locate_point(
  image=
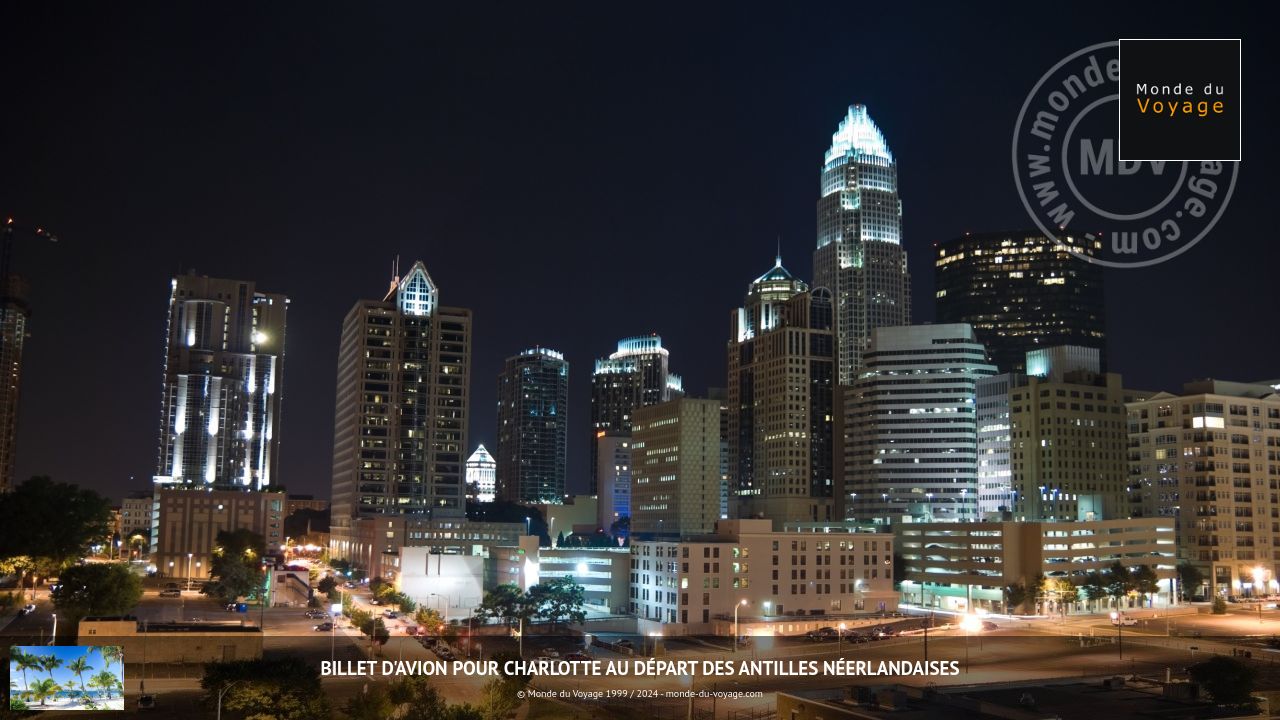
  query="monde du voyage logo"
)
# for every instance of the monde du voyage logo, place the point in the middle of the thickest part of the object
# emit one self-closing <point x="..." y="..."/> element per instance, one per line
<point x="1131" y="170"/>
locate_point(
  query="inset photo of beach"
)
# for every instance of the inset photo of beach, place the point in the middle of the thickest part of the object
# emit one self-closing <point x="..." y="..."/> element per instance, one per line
<point x="73" y="677"/>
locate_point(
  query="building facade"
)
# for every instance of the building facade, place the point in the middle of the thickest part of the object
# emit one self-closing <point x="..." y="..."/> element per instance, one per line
<point x="188" y="523"/>
<point x="15" y="312"/>
<point x="692" y="586"/>
<point x="1208" y="459"/>
<point x="860" y="258"/>
<point x="223" y="382"/>
<point x="635" y="375"/>
<point x="781" y="359"/>
<point x="403" y="398"/>
<point x="966" y="566"/>
<point x="533" y="422"/>
<point x="482" y="475"/>
<point x="613" y="477"/>
<point x="911" y="431"/>
<point x="675" y="477"/>
<point x="1069" y="436"/>
<point x="1021" y="291"/>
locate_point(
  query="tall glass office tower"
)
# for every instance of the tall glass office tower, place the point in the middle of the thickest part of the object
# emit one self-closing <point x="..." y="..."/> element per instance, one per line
<point x="533" y="421"/>
<point x="860" y="257"/>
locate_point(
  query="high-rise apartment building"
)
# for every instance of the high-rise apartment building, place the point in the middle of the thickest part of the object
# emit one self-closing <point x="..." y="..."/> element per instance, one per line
<point x="482" y="474"/>
<point x="533" y="422"/>
<point x="14" y="314"/>
<point x="1021" y="291"/>
<point x="860" y="258"/>
<point x="403" y="396"/>
<point x="223" y="376"/>
<point x="612" y="477"/>
<point x="1210" y="458"/>
<point x="995" y="471"/>
<point x="781" y="359"/>
<point x="635" y="375"/>
<point x="911" y="431"/>
<point x="675" y="477"/>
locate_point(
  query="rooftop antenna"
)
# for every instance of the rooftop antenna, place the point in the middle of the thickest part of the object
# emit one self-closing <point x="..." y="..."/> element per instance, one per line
<point x="777" y="259"/>
<point x="395" y="279"/>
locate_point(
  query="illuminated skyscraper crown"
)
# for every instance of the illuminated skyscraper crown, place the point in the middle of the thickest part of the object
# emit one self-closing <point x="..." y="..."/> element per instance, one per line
<point x="857" y="135"/>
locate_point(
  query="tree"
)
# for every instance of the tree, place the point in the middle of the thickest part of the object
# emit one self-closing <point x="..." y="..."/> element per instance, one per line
<point x="428" y="618"/>
<point x="105" y="680"/>
<point x="1095" y="587"/>
<point x="1228" y="681"/>
<point x="236" y="568"/>
<point x="1119" y="582"/>
<point x="326" y="584"/>
<point x="554" y="600"/>
<point x="97" y="589"/>
<point x="621" y="528"/>
<point x="279" y="689"/>
<point x="1219" y="605"/>
<point x="1015" y="596"/>
<point x="80" y="666"/>
<point x="1190" y="579"/>
<point x="110" y="654"/>
<point x="24" y="661"/>
<point x="49" y="663"/>
<point x="505" y="603"/>
<point x="499" y="698"/>
<point x="56" y="521"/>
<point x="43" y="689"/>
<point x="1145" y="581"/>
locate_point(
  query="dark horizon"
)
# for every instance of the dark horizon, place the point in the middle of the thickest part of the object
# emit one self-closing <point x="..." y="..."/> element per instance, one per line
<point x="573" y="180"/>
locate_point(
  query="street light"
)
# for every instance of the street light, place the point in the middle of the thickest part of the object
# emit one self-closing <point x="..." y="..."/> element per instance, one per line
<point x="735" y="623"/>
<point x="189" y="556"/>
<point x="1259" y="577"/>
<point x="222" y="692"/>
<point x="969" y="624"/>
<point x="840" y="637"/>
<point x="1118" y="619"/>
<point x="53" y="640"/>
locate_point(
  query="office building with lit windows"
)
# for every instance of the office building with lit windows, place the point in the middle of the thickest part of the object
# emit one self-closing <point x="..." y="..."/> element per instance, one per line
<point x="222" y="386"/>
<point x="400" y="426"/>
<point x="1208" y="458"/>
<point x="675" y="476"/>
<point x="781" y="384"/>
<point x="635" y="375"/>
<point x="533" y="422"/>
<point x="860" y="258"/>
<point x="783" y="582"/>
<point x="482" y="473"/>
<point x="1022" y="291"/>
<point x="911" y="431"/>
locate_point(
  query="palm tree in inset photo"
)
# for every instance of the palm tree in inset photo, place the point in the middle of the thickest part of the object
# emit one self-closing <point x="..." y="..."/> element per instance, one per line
<point x="25" y="661"/>
<point x="110" y="654"/>
<point x="106" y="681"/>
<point x="80" y="666"/>
<point x="49" y="663"/>
<point x="44" y="689"/>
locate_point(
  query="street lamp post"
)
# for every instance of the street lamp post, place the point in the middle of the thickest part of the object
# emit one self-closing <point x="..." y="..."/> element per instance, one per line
<point x="735" y="624"/>
<point x="1118" y="619"/>
<point x="1259" y="577"/>
<point x="969" y="624"/>
<point x="222" y="692"/>
<point x="189" y="557"/>
<point x="53" y="639"/>
<point x="839" y="636"/>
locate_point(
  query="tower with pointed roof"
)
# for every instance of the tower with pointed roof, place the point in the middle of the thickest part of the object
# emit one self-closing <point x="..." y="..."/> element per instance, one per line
<point x="781" y="357"/>
<point x="403" y="398"/>
<point x="860" y="258"/>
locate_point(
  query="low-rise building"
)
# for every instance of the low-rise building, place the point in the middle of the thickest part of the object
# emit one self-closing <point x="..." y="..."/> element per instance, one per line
<point x="188" y="523"/>
<point x="172" y="643"/>
<point x="373" y="544"/>
<point x="780" y="582"/>
<point x="966" y="566"/>
<point x="603" y="572"/>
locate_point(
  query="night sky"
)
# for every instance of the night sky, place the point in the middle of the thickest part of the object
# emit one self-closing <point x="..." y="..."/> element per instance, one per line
<point x="573" y="178"/>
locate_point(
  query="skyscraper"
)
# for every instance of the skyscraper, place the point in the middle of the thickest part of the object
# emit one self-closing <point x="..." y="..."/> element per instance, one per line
<point x="1021" y="291"/>
<point x="403" y="396"/>
<point x="634" y="376"/>
<point x="223" y="376"/>
<point x="612" y="478"/>
<point x="482" y="473"/>
<point x="533" y="422"/>
<point x="912" y="432"/>
<point x="781" y="380"/>
<point x="860" y="258"/>
<point x="14" y="313"/>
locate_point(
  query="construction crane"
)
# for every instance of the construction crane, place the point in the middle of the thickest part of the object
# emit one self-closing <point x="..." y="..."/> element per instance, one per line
<point x="6" y="254"/>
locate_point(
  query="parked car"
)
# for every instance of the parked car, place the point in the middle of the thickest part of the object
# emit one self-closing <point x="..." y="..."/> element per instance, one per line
<point x="171" y="592"/>
<point x="375" y="601"/>
<point x="988" y="625"/>
<point x="313" y="614"/>
<point x="1124" y="620"/>
<point x="324" y="627"/>
<point x="822" y="633"/>
<point x="27" y="609"/>
<point x="391" y="614"/>
<point x="577" y="657"/>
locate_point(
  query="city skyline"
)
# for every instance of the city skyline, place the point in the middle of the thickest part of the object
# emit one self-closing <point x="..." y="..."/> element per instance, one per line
<point x="131" y="222"/>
